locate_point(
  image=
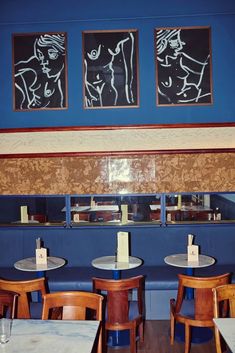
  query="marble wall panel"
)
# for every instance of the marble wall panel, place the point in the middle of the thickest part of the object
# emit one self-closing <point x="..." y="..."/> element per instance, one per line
<point x="140" y="173"/>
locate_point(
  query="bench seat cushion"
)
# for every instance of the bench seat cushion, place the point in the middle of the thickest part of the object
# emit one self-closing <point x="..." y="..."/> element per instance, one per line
<point x="80" y="278"/>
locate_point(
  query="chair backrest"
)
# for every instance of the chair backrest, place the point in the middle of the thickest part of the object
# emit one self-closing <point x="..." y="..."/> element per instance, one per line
<point x="203" y="295"/>
<point x="74" y="305"/>
<point x="24" y="289"/>
<point x="117" y="296"/>
<point x="224" y="301"/>
<point x="7" y="304"/>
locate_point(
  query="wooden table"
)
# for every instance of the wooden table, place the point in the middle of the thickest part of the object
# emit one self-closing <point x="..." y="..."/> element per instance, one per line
<point x="226" y="327"/>
<point x="54" y="336"/>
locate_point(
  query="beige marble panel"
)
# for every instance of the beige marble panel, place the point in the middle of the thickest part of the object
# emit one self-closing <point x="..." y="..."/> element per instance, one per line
<point x="146" y="173"/>
<point x="118" y="139"/>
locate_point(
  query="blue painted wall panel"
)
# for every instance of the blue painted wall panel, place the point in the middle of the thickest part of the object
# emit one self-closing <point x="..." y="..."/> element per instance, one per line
<point x="80" y="246"/>
<point x="74" y="16"/>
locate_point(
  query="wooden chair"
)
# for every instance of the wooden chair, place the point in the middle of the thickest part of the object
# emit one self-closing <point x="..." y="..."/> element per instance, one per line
<point x="197" y="312"/>
<point x="74" y="305"/>
<point x="25" y="289"/>
<point x="7" y="304"/>
<point x="224" y="306"/>
<point x="122" y="314"/>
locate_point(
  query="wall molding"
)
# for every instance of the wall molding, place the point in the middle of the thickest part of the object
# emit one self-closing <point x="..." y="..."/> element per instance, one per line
<point x="108" y="140"/>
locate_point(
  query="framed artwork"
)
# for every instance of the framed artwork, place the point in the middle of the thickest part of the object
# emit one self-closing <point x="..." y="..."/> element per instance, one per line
<point x="183" y="66"/>
<point x="110" y="69"/>
<point x="39" y="71"/>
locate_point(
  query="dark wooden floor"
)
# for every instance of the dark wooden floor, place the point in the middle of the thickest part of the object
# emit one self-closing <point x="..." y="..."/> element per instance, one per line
<point x="157" y="341"/>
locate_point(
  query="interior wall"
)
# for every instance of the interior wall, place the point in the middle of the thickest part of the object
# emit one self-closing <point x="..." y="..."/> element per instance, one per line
<point x="155" y="173"/>
<point x="74" y="17"/>
<point x="136" y="173"/>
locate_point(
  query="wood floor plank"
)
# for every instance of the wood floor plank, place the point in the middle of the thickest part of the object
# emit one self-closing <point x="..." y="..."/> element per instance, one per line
<point x="157" y="340"/>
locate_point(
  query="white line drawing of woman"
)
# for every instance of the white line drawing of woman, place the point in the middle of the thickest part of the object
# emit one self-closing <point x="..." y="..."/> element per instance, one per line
<point x="180" y="76"/>
<point x="39" y="80"/>
<point x="109" y="72"/>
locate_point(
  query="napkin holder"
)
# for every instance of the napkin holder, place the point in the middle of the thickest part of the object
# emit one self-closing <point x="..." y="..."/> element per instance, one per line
<point x="193" y="250"/>
<point x="41" y="253"/>
<point x="122" y="247"/>
<point x="41" y="256"/>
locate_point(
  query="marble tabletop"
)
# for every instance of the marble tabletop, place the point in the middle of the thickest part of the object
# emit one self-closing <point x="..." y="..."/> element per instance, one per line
<point x="59" y="336"/>
<point x="226" y="326"/>
<point x="110" y="263"/>
<point x="29" y="264"/>
<point x="181" y="260"/>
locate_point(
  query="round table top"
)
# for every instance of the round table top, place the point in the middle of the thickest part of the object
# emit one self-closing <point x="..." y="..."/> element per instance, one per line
<point x="29" y="264"/>
<point x="181" y="260"/>
<point x="109" y="263"/>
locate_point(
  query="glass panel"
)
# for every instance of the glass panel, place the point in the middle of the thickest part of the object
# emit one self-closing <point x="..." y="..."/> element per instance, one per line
<point x="120" y="209"/>
<point x="200" y="207"/>
<point x="31" y="210"/>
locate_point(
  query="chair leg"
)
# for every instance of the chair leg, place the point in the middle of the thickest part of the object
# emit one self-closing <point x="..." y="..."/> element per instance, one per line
<point x="218" y="341"/>
<point x="133" y="340"/>
<point x="99" y="346"/>
<point x="141" y="331"/>
<point x="105" y="339"/>
<point x="187" y="338"/>
<point x="172" y="335"/>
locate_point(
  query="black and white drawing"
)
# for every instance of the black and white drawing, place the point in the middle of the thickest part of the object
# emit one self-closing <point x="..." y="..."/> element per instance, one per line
<point x="110" y="76"/>
<point x="40" y="69"/>
<point x="183" y="66"/>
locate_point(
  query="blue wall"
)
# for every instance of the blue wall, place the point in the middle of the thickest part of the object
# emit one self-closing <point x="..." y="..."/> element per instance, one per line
<point x="79" y="246"/>
<point x="73" y="17"/>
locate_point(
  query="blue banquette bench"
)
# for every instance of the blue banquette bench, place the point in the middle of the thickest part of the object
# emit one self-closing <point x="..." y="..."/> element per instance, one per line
<point x="79" y="246"/>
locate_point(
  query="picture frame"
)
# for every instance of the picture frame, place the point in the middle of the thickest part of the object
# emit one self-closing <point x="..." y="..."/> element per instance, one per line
<point x="110" y="69"/>
<point x="39" y="71"/>
<point x="183" y="66"/>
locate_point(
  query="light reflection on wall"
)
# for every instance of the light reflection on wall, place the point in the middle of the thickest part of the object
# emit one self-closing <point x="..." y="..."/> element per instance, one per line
<point x="120" y="170"/>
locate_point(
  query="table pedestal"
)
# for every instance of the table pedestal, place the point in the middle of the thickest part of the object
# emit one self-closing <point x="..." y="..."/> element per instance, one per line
<point x="118" y="339"/>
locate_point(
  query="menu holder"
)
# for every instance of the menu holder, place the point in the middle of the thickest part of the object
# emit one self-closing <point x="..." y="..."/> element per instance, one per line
<point x="24" y="218"/>
<point x="92" y="204"/>
<point x="124" y="210"/>
<point x="193" y="250"/>
<point x="122" y="247"/>
<point x="76" y="217"/>
<point x="41" y="253"/>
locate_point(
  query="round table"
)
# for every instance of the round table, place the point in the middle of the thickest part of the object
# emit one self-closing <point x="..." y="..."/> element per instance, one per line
<point x="29" y="264"/>
<point x="117" y="338"/>
<point x="181" y="260"/>
<point x="199" y="334"/>
<point x="111" y="263"/>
